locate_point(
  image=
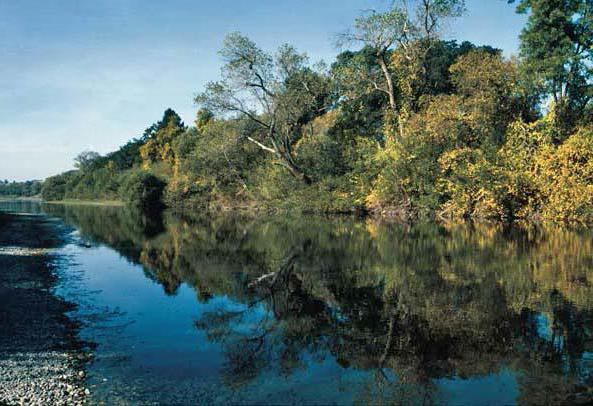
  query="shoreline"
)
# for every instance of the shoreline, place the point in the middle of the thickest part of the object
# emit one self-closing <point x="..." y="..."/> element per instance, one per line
<point x="391" y="215"/>
<point x="42" y="360"/>
<point x="21" y="199"/>
<point x="73" y="202"/>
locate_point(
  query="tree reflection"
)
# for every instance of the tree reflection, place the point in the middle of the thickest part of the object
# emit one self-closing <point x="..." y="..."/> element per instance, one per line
<point x="413" y="304"/>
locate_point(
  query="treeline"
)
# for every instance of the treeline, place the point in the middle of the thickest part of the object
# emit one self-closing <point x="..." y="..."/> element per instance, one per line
<point x="20" y="189"/>
<point x="406" y="125"/>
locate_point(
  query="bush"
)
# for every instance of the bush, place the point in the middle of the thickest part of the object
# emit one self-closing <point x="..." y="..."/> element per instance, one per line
<point x="472" y="185"/>
<point x="214" y="166"/>
<point x="185" y="192"/>
<point x="552" y="182"/>
<point x="101" y="183"/>
<point x="142" y="189"/>
<point x="320" y="156"/>
<point x="566" y="178"/>
<point x="408" y="178"/>
<point x="517" y="158"/>
<point x="55" y="187"/>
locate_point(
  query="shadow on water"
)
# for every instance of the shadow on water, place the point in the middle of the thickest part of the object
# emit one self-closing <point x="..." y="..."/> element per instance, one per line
<point x="417" y="308"/>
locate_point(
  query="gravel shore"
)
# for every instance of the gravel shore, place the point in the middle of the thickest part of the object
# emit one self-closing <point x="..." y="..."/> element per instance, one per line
<point x="42" y="362"/>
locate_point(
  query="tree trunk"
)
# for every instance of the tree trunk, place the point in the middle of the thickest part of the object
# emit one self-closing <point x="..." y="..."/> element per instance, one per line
<point x="391" y="94"/>
<point x="287" y="162"/>
<point x="297" y="172"/>
<point x="389" y="80"/>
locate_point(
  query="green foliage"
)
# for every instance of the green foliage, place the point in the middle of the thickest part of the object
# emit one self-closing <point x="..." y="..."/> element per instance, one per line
<point x="406" y="185"/>
<point x="56" y="187"/>
<point x="142" y="189"/>
<point x="214" y="165"/>
<point x="548" y="181"/>
<point x="277" y="94"/>
<point x="557" y="49"/>
<point x="436" y="77"/>
<point x="321" y="155"/>
<point x="518" y="159"/>
<point x="407" y="125"/>
<point x="20" y="189"/>
<point x="126" y="157"/>
<point x="446" y="160"/>
<point x="472" y="186"/>
<point x="203" y="117"/>
<point x="86" y="160"/>
<point x="277" y="190"/>
<point x="362" y="109"/>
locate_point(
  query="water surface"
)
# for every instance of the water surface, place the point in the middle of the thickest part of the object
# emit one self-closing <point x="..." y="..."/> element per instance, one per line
<point x="310" y="310"/>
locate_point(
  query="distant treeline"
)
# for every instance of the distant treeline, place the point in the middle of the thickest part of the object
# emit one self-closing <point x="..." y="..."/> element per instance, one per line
<point x="20" y="189"/>
<point x="406" y="124"/>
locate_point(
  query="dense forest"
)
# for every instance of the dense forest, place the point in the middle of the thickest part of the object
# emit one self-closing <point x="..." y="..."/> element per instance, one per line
<point x="402" y="123"/>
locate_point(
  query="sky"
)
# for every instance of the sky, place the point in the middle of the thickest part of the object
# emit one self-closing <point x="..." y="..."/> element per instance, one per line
<point x="90" y="75"/>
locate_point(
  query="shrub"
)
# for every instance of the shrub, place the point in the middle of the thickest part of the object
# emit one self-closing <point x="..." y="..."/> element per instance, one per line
<point x="410" y="166"/>
<point x="182" y="191"/>
<point x="142" y="189"/>
<point x="472" y="185"/>
<point x="214" y="166"/>
<point x="517" y="157"/>
<point x="565" y="176"/>
<point x="320" y="156"/>
<point x="55" y="187"/>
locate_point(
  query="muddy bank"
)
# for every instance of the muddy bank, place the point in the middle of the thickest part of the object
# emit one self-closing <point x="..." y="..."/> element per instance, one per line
<point x="41" y="359"/>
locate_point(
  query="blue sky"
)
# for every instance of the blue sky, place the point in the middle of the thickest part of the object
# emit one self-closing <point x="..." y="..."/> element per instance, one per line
<point x="78" y="75"/>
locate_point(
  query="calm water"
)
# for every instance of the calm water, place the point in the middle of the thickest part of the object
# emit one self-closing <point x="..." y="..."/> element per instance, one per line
<point x="328" y="311"/>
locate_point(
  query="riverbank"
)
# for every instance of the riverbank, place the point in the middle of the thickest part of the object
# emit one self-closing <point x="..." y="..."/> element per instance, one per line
<point x="41" y="358"/>
<point x="20" y="198"/>
<point x="87" y="202"/>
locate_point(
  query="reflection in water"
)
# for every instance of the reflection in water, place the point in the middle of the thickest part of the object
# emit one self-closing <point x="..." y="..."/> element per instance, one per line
<point x="418" y="307"/>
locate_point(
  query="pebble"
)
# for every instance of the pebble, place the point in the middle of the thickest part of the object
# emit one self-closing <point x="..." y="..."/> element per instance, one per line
<point x="45" y="378"/>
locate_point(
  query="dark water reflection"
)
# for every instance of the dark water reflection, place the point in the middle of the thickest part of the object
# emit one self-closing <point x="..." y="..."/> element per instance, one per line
<point x="425" y="314"/>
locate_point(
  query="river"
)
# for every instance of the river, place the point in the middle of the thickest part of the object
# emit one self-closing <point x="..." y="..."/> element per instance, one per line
<point x="219" y="309"/>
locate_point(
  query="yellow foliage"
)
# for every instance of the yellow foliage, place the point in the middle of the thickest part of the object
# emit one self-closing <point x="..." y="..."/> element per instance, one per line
<point x="322" y="124"/>
<point x="565" y="176"/>
<point x="524" y="141"/>
<point x="546" y="180"/>
<point x="148" y="154"/>
<point x="166" y="152"/>
<point x="481" y="72"/>
<point x="470" y="182"/>
<point x="489" y="87"/>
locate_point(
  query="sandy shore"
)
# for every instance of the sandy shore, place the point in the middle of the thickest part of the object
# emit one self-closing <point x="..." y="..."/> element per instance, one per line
<point x="41" y="359"/>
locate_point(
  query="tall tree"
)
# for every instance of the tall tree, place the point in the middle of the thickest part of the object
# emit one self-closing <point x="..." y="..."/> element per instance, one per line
<point x="279" y="94"/>
<point x="86" y="159"/>
<point x="379" y="32"/>
<point x="410" y="27"/>
<point x="158" y="138"/>
<point x="557" y="50"/>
